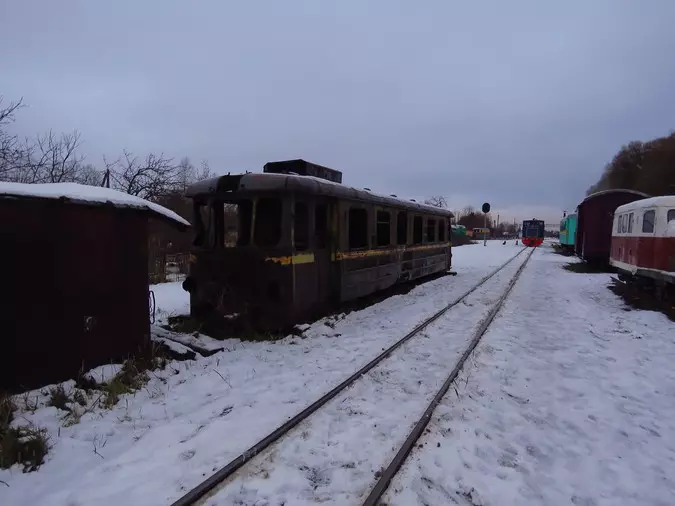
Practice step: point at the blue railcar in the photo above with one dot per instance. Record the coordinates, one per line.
(568, 231)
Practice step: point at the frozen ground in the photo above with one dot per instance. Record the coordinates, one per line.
(196, 415)
(568, 400)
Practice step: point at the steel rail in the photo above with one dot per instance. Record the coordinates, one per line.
(206, 487)
(388, 474)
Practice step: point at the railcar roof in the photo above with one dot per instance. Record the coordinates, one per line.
(662, 201)
(614, 190)
(305, 184)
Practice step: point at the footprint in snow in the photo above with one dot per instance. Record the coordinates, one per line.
(187, 455)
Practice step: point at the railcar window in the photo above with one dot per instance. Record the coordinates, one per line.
(358, 228)
(431, 230)
(402, 228)
(441, 230)
(671, 215)
(383, 228)
(301, 226)
(648, 222)
(267, 231)
(321, 225)
(630, 223)
(418, 232)
(623, 223)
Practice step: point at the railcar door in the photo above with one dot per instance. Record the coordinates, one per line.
(646, 252)
(324, 242)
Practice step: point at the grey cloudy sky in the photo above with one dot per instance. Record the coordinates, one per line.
(517, 102)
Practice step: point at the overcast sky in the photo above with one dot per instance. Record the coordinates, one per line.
(520, 103)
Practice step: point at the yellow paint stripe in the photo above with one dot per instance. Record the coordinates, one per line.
(297, 259)
(350, 255)
(308, 258)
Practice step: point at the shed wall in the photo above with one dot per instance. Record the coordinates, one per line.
(75, 282)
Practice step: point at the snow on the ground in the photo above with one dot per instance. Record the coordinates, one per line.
(170, 300)
(196, 415)
(568, 400)
(333, 456)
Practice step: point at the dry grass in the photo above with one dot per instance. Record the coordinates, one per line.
(27, 446)
(20, 445)
(59, 398)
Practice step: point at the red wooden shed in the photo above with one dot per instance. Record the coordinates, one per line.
(75, 279)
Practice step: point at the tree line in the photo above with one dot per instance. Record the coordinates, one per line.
(648, 167)
(57, 158)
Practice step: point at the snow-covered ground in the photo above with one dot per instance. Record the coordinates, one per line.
(196, 415)
(170, 300)
(333, 456)
(569, 399)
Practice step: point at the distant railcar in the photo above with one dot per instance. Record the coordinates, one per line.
(595, 215)
(283, 246)
(533, 232)
(643, 240)
(568, 231)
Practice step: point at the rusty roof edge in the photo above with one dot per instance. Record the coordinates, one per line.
(310, 184)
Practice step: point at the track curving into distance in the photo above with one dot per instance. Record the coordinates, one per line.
(388, 474)
(208, 486)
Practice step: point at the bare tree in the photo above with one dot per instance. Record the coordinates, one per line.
(11, 154)
(150, 178)
(53, 159)
(437, 201)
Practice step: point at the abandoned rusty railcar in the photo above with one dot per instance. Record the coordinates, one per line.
(284, 245)
(75, 279)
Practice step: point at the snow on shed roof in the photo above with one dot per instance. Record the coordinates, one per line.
(84, 194)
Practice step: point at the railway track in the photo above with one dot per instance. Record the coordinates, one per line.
(222, 477)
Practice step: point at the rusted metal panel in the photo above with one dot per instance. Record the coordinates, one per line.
(77, 276)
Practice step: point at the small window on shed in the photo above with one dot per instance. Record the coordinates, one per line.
(267, 229)
(402, 228)
(630, 223)
(441, 230)
(321, 226)
(383, 228)
(418, 232)
(358, 228)
(648, 222)
(671, 215)
(301, 226)
(431, 230)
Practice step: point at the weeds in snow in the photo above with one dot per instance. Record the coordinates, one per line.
(128, 380)
(59, 398)
(19, 445)
(27, 446)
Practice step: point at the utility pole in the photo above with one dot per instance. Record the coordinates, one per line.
(486, 209)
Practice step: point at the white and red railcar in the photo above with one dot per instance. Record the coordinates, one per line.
(643, 239)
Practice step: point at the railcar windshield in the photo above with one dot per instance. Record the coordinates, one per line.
(228, 224)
